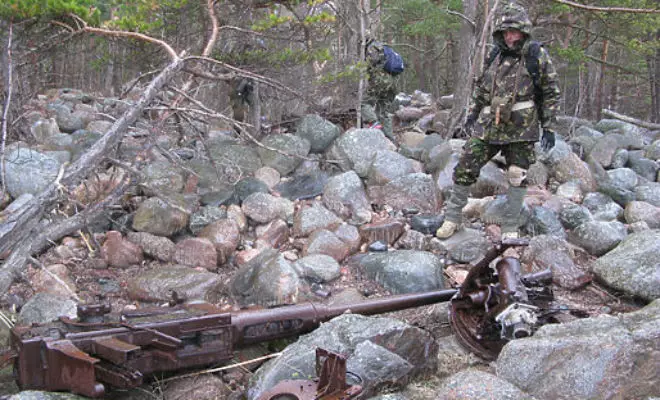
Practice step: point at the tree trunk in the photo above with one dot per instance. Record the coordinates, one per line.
(464, 81)
(601, 79)
(654, 75)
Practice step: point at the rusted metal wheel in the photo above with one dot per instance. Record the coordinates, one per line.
(465, 323)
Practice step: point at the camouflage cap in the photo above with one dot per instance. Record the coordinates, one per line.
(512, 16)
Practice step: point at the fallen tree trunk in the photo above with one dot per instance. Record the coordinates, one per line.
(27, 236)
(634, 121)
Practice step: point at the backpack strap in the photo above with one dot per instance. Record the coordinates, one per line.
(492, 55)
(532, 63)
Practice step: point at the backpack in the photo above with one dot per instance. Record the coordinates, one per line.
(393, 61)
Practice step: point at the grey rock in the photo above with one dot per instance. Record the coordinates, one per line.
(625, 178)
(548, 252)
(394, 350)
(644, 167)
(412, 240)
(603, 357)
(544, 221)
(621, 158)
(598, 237)
(605, 148)
(205, 216)
(495, 210)
(159, 218)
(29, 171)
(270, 176)
(325, 242)
(649, 192)
(99, 126)
(189, 284)
(201, 387)
(266, 280)
(158, 247)
(309, 219)
(426, 223)
(45, 307)
(652, 151)
(633, 265)
(357, 148)
(305, 186)
(44, 129)
(318, 268)
(474, 384)
(264, 207)
(538, 174)
(240, 159)
(586, 131)
(637, 211)
(246, 186)
(492, 180)
(293, 146)
(602, 207)
(69, 121)
(345, 196)
(416, 190)
(404, 271)
(319, 132)
(162, 176)
(571, 168)
(573, 215)
(422, 150)
(466, 245)
(571, 191)
(389, 165)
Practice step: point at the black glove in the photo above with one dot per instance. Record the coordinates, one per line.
(547, 140)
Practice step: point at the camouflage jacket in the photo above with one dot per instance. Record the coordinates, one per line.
(381, 85)
(505, 116)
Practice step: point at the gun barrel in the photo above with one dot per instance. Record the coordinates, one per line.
(277, 323)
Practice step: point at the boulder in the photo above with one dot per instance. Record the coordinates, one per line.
(604, 357)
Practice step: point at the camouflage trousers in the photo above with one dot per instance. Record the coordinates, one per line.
(477, 152)
(378, 109)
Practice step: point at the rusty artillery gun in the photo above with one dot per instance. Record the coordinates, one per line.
(88, 354)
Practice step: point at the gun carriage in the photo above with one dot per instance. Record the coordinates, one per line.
(99, 350)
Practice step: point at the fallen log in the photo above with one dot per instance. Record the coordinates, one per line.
(634, 121)
(26, 237)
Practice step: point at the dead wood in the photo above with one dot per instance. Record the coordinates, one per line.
(634, 121)
(27, 237)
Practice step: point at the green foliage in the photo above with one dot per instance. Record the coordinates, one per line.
(49, 9)
(140, 15)
(271, 21)
(131, 15)
(571, 54)
(350, 73)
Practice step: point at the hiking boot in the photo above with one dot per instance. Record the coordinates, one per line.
(447, 229)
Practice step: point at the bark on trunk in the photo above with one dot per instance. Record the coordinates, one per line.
(464, 81)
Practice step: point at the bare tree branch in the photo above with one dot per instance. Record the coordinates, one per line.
(5, 111)
(608, 9)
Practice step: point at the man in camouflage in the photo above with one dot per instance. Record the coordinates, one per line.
(381, 90)
(507, 109)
